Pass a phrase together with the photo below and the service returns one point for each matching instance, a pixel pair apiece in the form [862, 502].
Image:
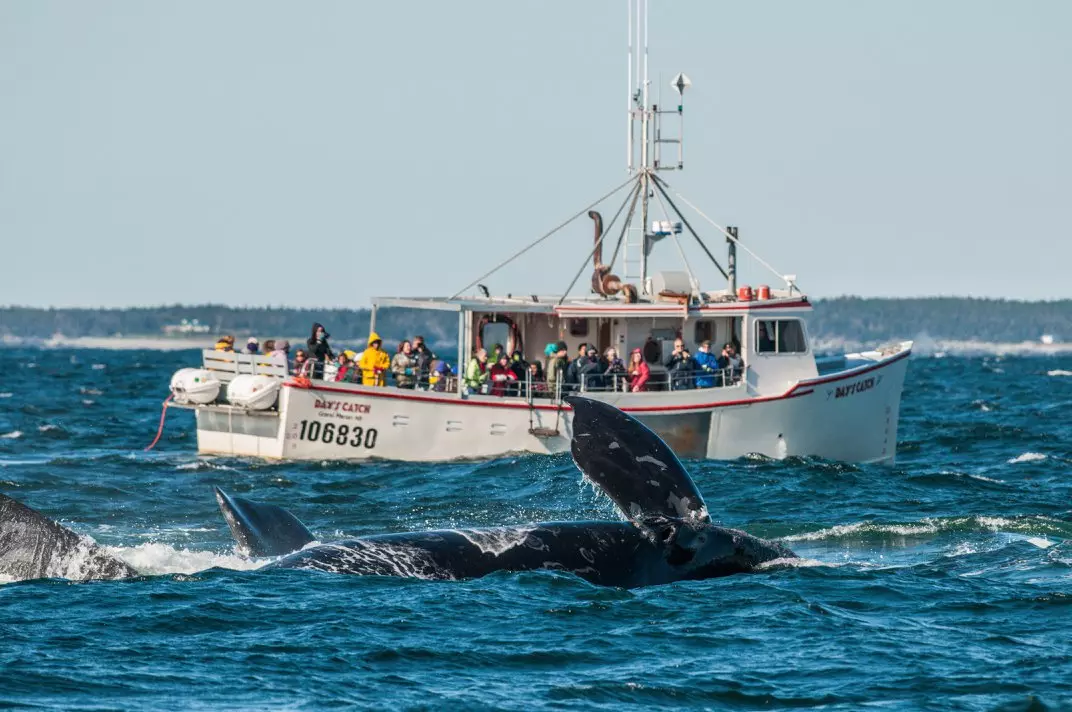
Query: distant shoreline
[111, 343]
[926, 347]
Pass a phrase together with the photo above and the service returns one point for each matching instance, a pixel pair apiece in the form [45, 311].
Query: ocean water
[942, 583]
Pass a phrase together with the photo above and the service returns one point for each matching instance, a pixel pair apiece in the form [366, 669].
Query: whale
[33, 546]
[665, 533]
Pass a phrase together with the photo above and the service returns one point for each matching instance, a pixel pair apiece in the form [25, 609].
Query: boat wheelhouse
[779, 400]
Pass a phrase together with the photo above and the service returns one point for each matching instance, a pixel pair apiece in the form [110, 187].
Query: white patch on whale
[377, 558]
[652, 460]
[495, 541]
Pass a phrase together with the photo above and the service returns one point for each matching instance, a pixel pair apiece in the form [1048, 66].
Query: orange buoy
[762, 292]
[744, 293]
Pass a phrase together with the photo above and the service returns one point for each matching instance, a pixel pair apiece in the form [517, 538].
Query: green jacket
[474, 377]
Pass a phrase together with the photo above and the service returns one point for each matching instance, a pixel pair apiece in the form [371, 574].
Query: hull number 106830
[332, 434]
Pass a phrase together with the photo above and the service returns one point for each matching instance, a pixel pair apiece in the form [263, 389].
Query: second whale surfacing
[668, 535]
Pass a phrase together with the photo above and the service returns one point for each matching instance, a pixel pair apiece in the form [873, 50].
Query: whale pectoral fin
[262, 529]
[33, 546]
[632, 465]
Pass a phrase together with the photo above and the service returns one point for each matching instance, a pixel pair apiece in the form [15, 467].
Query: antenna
[644, 160]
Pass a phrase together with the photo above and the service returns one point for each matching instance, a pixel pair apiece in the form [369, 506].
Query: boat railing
[225, 365]
[663, 381]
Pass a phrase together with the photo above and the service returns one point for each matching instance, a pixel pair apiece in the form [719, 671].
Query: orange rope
[160, 430]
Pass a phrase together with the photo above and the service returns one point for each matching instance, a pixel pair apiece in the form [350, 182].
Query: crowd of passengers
[412, 365]
[502, 374]
[499, 373]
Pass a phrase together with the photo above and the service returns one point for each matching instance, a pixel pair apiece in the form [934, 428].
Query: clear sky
[317, 154]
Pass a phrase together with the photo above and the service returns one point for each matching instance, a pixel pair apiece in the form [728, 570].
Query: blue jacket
[707, 367]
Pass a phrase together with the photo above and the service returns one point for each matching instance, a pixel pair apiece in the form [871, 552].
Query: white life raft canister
[253, 392]
[194, 385]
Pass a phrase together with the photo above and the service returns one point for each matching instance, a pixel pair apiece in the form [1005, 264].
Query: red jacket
[500, 378]
[638, 376]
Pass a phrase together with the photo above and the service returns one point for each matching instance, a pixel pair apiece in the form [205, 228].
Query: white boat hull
[850, 416]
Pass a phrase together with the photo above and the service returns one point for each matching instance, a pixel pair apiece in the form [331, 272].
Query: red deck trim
[755, 304]
[798, 390]
[678, 309]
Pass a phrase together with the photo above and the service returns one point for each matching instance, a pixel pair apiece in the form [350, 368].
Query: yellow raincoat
[374, 363]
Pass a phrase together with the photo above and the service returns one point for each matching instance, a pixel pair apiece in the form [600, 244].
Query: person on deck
[439, 376]
[301, 363]
[319, 351]
[252, 345]
[639, 373]
[374, 362]
[573, 371]
[590, 372]
[535, 375]
[404, 366]
[732, 362]
[708, 367]
[555, 370]
[280, 352]
[614, 375]
[225, 343]
[520, 367]
[679, 367]
[346, 368]
[502, 377]
[477, 372]
[424, 360]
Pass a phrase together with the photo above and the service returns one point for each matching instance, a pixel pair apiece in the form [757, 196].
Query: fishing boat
[773, 396]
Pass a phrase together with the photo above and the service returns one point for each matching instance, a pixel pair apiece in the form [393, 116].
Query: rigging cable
[729, 236]
[693, 284]
[659, 184]
[545, 236]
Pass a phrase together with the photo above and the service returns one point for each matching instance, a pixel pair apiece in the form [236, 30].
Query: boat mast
[646, 117]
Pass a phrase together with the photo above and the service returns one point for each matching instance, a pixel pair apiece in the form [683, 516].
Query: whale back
[633, 466]
[262, 529]
[33, 546]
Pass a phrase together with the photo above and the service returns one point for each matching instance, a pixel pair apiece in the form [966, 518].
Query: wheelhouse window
[578, 327]
[780, 336]
[704, 331]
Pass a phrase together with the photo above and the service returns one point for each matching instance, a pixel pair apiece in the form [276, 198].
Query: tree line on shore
[854, 318]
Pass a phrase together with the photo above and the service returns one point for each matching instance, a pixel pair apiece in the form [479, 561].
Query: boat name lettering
[858, 387]
[344, 406]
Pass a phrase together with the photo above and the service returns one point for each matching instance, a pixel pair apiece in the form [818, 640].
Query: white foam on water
[982, 478]
[46, 427]
[154, 559]
[203, 465]
[99, 366]
[1027, 457]
[1039, 542]
[6, 394]
[791, 563]
[844, 530]
[13, 435]
[1059, 372]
